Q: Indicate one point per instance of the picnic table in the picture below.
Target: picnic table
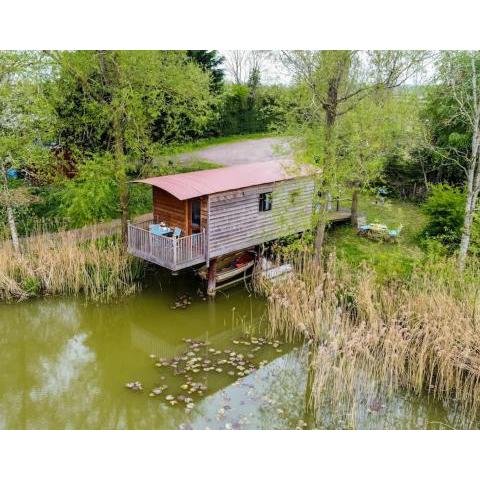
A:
(157, 229)
(379, 231)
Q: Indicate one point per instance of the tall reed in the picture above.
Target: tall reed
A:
(371, 338)
(63, 264)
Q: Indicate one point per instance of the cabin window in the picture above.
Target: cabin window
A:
(293, 196)
(265, 202)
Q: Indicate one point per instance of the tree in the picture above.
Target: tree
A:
(243, 64)
(118, 103)
(459, 72)
(24, 120)
(210, 61)
(334, 83)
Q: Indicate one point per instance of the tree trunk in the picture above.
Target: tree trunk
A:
(329, 161)
(13, 229)
(472, 195)
(354, 209)
(465, 241)
(321, 226)
(10, 213)
(330, 107)
(473, 175)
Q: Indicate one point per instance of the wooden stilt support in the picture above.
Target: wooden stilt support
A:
(212, 272)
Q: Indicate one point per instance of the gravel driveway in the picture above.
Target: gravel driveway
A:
(243, 151)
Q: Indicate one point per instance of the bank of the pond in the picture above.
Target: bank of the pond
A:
(98, 268)
(371, 338)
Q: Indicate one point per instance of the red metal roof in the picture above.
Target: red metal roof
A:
(205, 182)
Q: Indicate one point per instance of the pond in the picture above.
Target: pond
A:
(65, 364)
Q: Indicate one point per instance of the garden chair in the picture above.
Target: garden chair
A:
(177, 232)
(394, 233)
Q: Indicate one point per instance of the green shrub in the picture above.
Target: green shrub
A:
(31, 286)
(445, 210)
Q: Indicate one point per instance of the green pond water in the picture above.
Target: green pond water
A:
(65, 363)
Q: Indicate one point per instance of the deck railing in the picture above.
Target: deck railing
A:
(168, 252)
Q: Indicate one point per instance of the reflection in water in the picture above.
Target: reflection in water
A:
(65, 364)
(58, 375)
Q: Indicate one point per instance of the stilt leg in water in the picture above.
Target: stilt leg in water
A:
(212, 272)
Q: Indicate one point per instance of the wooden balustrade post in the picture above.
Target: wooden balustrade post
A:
(174, 251)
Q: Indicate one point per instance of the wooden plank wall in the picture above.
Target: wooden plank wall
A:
(235, 221)
(169, 209)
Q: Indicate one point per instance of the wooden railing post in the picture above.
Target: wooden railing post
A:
(205, 245)
(174, 251)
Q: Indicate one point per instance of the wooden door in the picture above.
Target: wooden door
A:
(194, 216)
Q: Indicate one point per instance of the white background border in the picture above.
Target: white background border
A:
(224, 24)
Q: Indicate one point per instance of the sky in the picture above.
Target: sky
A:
(273, 72)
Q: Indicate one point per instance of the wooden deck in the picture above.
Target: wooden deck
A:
(340, 215)
(171, 253)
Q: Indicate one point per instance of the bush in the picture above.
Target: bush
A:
(92, 196)
(445, 211)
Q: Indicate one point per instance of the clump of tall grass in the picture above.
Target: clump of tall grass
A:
(370, 338)
(52, 264)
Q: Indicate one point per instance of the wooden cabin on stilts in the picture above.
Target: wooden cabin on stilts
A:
(199, 217)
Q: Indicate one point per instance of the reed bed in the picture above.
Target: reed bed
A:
(370, 339)
(98, 268)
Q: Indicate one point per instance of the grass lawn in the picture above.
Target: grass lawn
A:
(388, 259)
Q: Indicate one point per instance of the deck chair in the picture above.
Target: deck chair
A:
(177, 232)
(394, 234)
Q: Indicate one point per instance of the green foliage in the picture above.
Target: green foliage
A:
(167, 96)
(32, 286)
(92, 196)
(444, 209)
(449, 136)
(253, 108)
(210, 61)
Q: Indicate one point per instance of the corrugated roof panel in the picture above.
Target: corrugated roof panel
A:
(205, 182)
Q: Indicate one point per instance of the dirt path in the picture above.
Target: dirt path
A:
(243, 151)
